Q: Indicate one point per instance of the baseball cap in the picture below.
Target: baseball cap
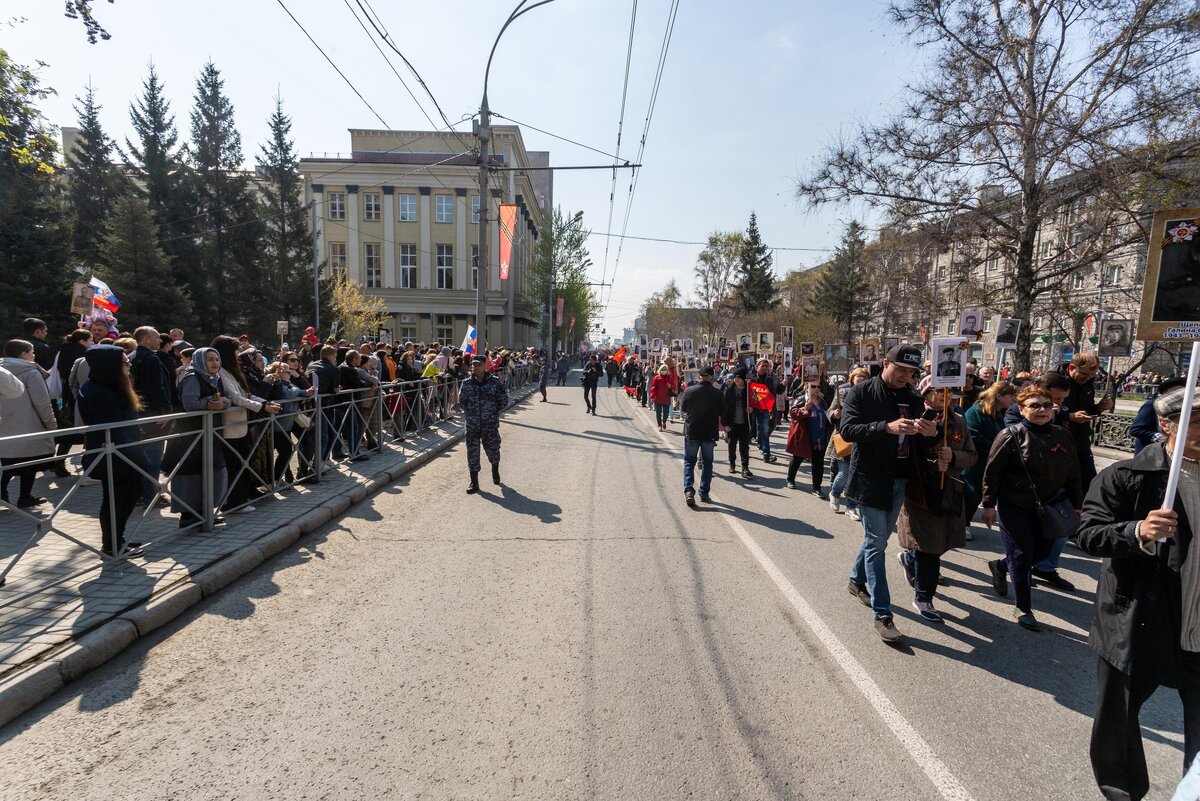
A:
(906, 356)
(480, 359)
(741, 372)
(706, 370)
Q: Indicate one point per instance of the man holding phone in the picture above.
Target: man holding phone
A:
(1083, 410)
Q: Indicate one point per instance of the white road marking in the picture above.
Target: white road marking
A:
(947, 784)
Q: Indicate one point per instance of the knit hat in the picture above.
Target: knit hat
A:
(741, 373)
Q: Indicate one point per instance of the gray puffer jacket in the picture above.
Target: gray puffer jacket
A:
(28, 413)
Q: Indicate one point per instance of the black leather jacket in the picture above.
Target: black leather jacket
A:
(1049, 455)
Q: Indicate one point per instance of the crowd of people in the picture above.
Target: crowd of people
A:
(264, 402)
(1015, 448)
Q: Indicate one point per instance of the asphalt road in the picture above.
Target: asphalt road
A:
(580, 634)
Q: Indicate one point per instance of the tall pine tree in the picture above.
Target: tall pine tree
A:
(843, 290)
(286, 246)
(137, 268)
(95, 181)
(229, 280)
(755, 289)
(157, 161)
(35, 236)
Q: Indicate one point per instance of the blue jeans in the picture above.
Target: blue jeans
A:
(839, 481)
(1050, 563)
(705, 450)
(762, 424)
(153, 452)
(661, 412)
(870, 566)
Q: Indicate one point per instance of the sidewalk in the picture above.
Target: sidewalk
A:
(63, 611)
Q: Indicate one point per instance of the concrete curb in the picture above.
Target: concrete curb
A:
(31, 684)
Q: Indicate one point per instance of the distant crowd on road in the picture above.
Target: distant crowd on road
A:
(1015, 448)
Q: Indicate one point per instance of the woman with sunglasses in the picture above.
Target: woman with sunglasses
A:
(1034, 456)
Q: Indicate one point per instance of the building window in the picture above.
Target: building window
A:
(950, 326)
(408, 208)
(1077, 281)
(475, 208)
(1112, 274)
(941, 271)
(445, 266)
(1045, 249)
(937, 327)
(993, 263)
(474, 266)
(337, 258)
(1037, 323)
(445, 329)
(337, 205)
(987, 325)
(373, 263)
(371, 206)
(408, 266)
(443, 208)
(407, 333)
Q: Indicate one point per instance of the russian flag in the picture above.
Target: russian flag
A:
(104, 297)
(470, 341)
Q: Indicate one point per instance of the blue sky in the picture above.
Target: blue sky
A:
(751, 93)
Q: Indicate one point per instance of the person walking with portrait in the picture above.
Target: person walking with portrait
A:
(701, 404)
(735, 417)
(1146, 624)
(591, 380)
(1031, 468)
(881, 416)
(808, 437)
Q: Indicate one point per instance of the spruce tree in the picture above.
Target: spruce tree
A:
(137, 269)
(35, 235)
(157, 162)
(95, 181)
(755, 289)
(287, 247)
(843, 290)
(229, 276)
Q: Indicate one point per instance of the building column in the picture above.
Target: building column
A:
(462, 255)
(390, 277)
(318, 196)
(353, 260)
(425, 246)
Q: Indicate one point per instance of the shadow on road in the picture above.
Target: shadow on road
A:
(514, 501)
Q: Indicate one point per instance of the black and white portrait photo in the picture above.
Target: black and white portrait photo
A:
(1007, 333)
(1116, 338)
(971, 324)
(949, 357)
(745, 343)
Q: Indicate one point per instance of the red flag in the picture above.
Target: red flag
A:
(572, 328)
(619, 356)
(761, 397)
(508, 224)
(561, 302)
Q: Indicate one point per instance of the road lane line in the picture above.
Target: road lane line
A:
(947, 784)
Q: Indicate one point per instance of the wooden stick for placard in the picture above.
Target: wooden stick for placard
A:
(945, 426)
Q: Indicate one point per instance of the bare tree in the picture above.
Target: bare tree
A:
(716, 272)
(1026, 109)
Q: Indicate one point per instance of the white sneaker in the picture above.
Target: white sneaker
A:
(791, 484)
(835, 506)
(853, 514)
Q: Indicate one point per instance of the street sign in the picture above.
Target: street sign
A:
(1171, 293)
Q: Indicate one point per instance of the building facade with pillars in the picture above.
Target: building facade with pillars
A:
(399, 215)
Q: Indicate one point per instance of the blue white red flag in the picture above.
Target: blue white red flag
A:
(470, 342)
(104, 297)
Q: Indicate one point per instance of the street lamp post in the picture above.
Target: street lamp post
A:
(484, 133)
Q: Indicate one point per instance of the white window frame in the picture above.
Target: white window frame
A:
(406, 333)
(337, 257)
(1077, 280)
(443, 208)
(408, 265)
(372, 207)
(372, 265)
(444, 267)
(475, 209)
(443, 328)
(1113, 275)
(474, 266)
(337, 205)
(408, 208)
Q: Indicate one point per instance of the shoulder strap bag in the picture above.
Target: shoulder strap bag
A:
(1057, 518)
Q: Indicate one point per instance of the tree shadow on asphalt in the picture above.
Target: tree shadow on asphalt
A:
(611, 439)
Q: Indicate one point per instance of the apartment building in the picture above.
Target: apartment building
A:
(399, 214)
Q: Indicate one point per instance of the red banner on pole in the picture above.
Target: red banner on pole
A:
(562, 302)
(508, 224)
(572, 328)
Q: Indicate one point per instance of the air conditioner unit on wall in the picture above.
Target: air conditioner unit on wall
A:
(408, 318)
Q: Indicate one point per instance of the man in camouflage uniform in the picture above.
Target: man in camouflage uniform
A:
(483, 397)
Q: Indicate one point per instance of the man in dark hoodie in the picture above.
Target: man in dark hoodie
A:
(735, 417)
(153, 386)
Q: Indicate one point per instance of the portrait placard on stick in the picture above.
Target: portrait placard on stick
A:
(971, 324)
(949, 356)
(1171, 292)
(787, 361)
(656, 344)
(837, 358)
(745, 343)
(785, 335)
(689, 347)
(812, 369)
(1116, 338)
(868, 351)
(1007, 333)
(766, 343)
(808, 349)
(889, 343)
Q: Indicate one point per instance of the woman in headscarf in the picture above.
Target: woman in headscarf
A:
(200, 389)
(235, 427)
(108, 397)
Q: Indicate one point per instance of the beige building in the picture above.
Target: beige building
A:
(399, 214)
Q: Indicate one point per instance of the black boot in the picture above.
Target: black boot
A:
(474, 488)
(496, 473)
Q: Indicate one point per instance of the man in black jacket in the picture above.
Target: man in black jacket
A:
(735, 417)
(880, 416)
(1146, 625)
(1084, 409)
(701, 404)
(326, 378)
(153, 386)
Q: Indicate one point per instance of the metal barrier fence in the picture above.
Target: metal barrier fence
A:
(215, 462)
(1112, 431)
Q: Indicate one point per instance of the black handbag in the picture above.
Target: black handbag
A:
(1057, 518)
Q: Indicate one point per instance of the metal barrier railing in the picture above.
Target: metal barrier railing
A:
(207, 473)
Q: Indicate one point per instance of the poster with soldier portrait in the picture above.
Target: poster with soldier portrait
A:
(812, 370)
(785, 335)
(766, 343)
(837, 358)
(949, 357)
(1007, 332)
(808, 349)
(745, 343)
(689, 347)
(787, 361)
(868, 351)
(656, 345)
(1171, 292)
(1116, 338)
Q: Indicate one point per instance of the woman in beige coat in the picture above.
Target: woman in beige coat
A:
(28, 413)
(931, 520)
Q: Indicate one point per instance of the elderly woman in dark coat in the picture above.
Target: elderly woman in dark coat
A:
(932, 520)
(1146, 626)
(200, 389)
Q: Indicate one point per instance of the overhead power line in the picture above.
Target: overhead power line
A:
(612, 192)
(690, 242)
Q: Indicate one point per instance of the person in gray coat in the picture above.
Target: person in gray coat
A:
(27, 413)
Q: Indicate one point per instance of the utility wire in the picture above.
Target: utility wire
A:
(689, 242)
(612, 192)
(556, 136)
